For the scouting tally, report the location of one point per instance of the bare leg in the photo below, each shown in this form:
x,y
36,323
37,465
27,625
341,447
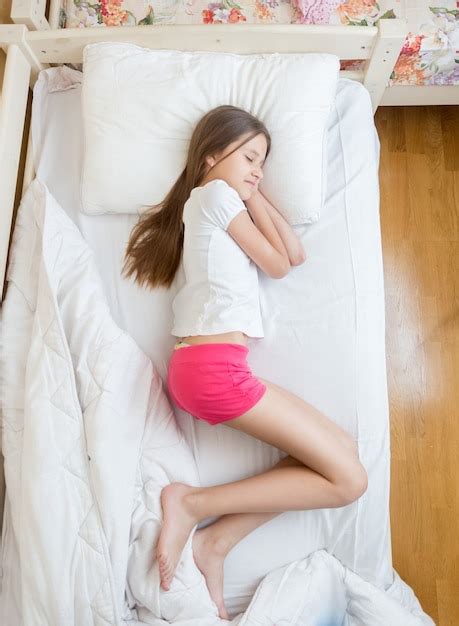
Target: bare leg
x,y
212,543
226,532
329,475
274,491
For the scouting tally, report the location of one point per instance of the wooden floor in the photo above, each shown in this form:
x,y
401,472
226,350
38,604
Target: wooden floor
x,y
419,178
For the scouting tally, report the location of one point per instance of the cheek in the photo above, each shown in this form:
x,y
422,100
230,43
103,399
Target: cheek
x,y
244,163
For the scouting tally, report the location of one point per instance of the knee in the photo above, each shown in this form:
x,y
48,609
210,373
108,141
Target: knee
x,y
354,486
351,443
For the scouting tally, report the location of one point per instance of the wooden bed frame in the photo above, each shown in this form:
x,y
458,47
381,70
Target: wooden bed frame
x,y
29,51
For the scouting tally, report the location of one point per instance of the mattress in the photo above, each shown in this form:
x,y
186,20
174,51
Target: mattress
x,y
324,335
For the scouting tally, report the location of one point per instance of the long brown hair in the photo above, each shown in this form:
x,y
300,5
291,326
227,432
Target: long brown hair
x,y
155,245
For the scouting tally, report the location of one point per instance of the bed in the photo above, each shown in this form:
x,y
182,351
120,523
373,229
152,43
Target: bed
x,y
30,51
70,324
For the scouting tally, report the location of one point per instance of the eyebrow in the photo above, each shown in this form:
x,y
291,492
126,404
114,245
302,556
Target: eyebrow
x,y
255,152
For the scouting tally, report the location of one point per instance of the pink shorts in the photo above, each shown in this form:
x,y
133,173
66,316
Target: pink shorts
x,y
213,381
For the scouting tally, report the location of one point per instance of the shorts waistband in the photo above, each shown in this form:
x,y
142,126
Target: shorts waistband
x,y
210,350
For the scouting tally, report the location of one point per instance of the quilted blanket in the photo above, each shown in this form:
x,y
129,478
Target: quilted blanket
x,y
89,440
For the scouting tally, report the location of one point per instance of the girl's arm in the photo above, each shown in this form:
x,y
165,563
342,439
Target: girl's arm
x,y
292,244
258,211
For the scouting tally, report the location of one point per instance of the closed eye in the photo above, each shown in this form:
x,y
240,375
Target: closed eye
x,y
251,160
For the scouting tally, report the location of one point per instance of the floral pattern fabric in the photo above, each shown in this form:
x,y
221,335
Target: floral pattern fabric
x,y
430,55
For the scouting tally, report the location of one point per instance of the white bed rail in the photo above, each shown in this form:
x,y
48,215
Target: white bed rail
x,y
28,51
31,13
21,70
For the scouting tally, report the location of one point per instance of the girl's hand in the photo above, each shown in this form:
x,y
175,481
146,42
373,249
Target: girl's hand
x,y
292,243
300,258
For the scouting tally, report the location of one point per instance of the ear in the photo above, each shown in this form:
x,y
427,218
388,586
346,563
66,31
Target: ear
x,y
210,161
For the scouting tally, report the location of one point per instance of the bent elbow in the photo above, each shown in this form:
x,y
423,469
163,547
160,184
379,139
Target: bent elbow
x,y
281,270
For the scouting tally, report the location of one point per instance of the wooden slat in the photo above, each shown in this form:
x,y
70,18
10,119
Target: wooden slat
x,y
12,116
17,34
415,95
30,12
54,13
389,41
66,45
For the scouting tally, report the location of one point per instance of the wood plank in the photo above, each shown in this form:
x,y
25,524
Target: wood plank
x,y
419,178
13,107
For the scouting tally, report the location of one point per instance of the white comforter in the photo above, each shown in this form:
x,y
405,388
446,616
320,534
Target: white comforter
x,y
89,440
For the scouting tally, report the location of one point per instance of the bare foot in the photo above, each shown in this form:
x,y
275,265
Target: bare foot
x,y
209,558
178,522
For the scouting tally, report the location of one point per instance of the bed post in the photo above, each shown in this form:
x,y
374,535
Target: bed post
x,y
12,116
20,65
378,68
31,13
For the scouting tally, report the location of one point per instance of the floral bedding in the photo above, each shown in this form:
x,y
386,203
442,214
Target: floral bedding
x,y
430,55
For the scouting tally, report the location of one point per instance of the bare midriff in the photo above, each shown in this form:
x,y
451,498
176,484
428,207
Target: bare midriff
x,y
231,337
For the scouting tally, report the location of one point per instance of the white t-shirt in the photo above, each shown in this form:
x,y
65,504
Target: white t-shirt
x,y
220,293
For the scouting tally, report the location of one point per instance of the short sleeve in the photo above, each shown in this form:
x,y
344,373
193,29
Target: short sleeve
x,y
220,203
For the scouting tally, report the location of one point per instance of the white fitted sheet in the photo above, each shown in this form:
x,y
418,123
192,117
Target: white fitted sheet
x,y
324,336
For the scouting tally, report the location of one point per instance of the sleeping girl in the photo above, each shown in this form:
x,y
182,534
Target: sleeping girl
x,y
216,217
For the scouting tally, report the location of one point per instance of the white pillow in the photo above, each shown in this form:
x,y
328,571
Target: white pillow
x,y
140,107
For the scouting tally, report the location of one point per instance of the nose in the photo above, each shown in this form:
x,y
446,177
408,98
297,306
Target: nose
x,y
258,172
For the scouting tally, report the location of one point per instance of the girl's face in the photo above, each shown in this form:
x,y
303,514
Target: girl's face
x,y
242,169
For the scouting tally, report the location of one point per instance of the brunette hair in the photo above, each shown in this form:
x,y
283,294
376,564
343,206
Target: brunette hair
x,y
155,245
